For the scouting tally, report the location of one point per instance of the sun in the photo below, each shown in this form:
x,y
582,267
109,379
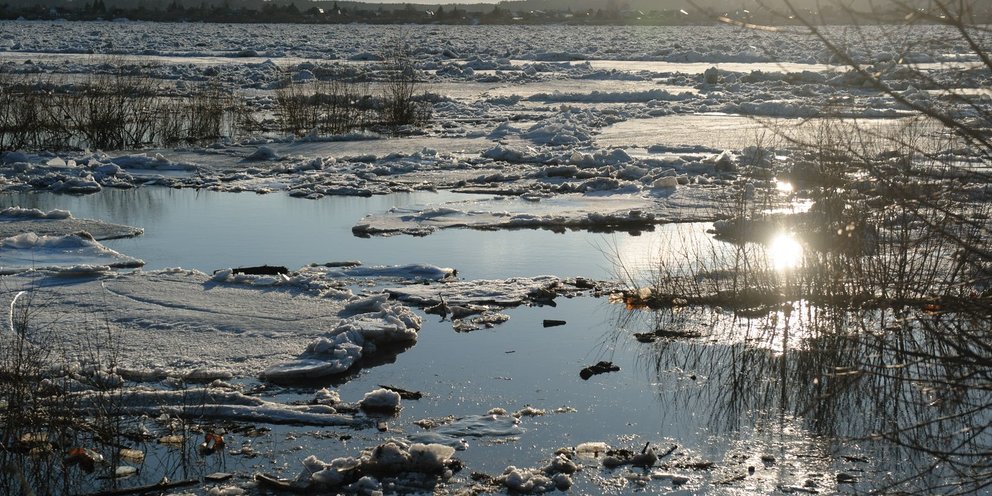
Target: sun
x,y
785,252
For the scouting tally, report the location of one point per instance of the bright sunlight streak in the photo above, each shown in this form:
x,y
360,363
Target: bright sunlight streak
x,y
785,252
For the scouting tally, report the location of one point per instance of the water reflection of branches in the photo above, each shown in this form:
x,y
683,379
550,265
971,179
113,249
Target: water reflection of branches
x,y
874,376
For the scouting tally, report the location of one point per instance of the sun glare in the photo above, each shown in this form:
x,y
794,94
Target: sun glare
x,y
783,186
785,252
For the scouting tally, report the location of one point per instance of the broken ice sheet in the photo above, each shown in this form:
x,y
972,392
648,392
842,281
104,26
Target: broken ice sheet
x,y
17,220
476,426
510,292
213,403
376,324
616,210
74,253
189,321
409,272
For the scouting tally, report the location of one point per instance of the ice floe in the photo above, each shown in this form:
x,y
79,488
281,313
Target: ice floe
x,y
18,220
374,323
212,403
612,211
73,254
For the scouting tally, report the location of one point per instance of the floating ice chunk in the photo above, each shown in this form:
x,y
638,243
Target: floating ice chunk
x,y
334,362
529,411
429,458
505,129
205,374
211,403
367,305
34,213
81,270
504,293
410,272
659,95
387,327
350,340
381,400
326,396
527,481
365,485
74,253
143,161
76,185
429,437
226,491
591,449
482,426
328,474
562,129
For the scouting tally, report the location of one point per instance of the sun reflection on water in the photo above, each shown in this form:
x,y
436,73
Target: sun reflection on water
x,y
785,252
783,186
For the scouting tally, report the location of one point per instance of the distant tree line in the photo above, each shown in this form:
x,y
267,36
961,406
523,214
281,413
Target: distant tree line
x,y
331,12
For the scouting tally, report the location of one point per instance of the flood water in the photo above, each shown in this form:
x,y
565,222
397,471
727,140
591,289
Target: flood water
x,y
687,393
207,230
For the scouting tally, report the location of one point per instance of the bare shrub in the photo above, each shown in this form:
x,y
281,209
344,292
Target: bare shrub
x,y
325,106
206,114
114,109
339,104
402,99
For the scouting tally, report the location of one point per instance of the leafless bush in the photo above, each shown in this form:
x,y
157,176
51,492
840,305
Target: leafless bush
x,y
113,110
401,103
207,114
325,106
337,106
